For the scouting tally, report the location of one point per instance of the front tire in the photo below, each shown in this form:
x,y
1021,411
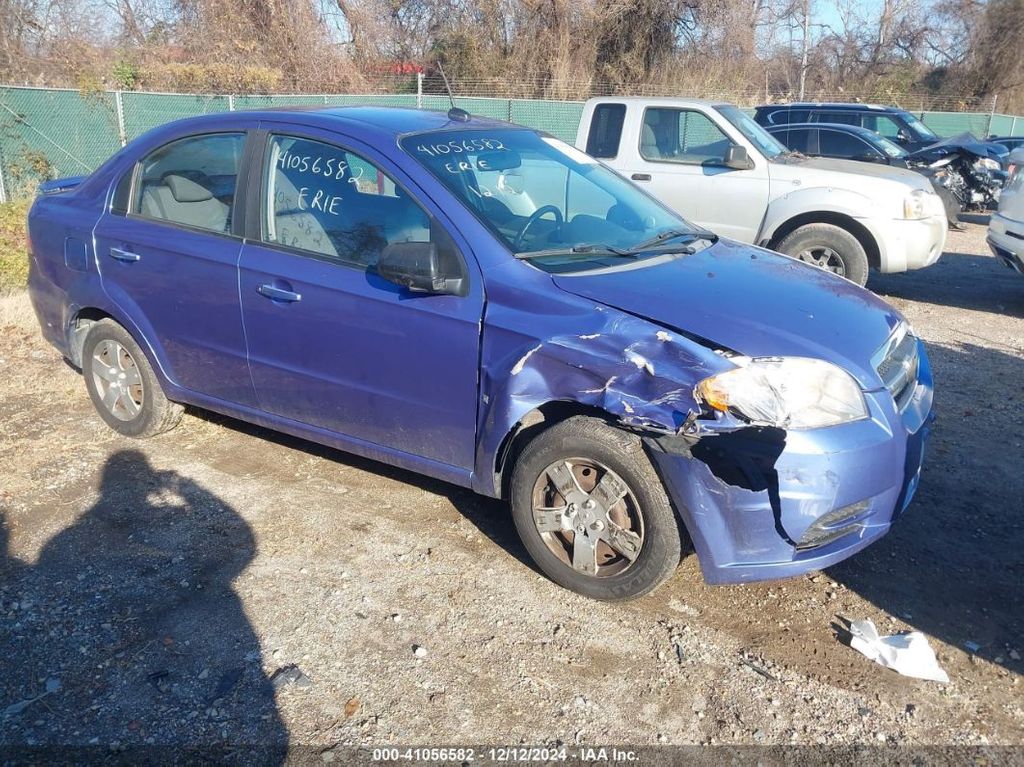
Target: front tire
x,y
593,513
122,385
828,247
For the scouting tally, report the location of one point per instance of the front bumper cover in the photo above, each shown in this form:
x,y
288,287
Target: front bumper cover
x,y
756,501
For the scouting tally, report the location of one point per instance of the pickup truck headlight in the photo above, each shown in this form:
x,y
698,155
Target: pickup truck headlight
x,y
787,392
915,205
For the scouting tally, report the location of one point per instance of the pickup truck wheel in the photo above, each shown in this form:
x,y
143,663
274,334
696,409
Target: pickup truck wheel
x,y
830,247
122,385
592,512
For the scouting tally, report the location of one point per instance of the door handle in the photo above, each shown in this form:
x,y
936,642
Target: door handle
x,y
278,294
124,255
641,177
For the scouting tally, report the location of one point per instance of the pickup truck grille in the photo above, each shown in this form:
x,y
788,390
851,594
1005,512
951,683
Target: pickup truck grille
x,y
898,366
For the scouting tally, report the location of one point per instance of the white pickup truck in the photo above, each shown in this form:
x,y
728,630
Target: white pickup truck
x,y
717,167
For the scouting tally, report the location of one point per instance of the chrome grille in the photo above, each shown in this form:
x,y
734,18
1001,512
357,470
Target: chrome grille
x,y
897,365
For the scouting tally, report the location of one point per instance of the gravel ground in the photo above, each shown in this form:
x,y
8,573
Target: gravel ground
x,y
222,584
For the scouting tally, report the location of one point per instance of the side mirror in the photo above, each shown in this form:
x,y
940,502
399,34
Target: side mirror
x,y
736,158
416,266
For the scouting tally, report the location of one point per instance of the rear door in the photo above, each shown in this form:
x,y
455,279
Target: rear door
x,y
331,344
168,251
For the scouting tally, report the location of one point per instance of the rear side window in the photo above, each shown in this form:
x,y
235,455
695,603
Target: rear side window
x,y
330,202
606,130
795,140
191,182
841,118
787,116
682,136
837,144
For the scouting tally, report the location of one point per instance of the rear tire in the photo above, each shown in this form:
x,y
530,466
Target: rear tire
x,y
122,385
562,487
828,247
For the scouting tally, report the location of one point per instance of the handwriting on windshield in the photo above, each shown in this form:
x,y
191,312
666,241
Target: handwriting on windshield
x,y
460,147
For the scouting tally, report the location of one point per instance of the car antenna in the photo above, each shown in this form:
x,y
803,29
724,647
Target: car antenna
x,y
461,115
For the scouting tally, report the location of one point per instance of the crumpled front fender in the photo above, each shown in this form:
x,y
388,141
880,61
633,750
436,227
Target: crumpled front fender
x,y
641,375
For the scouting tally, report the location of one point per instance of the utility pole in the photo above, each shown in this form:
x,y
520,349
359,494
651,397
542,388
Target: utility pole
x,y
805,47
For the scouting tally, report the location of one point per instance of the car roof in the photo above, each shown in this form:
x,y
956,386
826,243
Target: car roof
x,y
836,106
658,101
843,127
388,123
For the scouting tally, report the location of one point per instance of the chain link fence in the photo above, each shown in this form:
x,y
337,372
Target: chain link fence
x,y
49,133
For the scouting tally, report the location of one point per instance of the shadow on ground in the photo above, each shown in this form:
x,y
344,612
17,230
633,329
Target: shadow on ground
x,y
127,630
963,280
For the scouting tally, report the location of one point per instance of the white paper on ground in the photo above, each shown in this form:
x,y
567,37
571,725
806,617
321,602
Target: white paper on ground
x,y
908,654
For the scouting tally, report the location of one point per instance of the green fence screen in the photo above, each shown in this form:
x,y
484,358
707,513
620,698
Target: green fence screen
x,y
52,132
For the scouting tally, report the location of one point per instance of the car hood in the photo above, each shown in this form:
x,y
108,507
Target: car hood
x,y
856,175
752,301
964,142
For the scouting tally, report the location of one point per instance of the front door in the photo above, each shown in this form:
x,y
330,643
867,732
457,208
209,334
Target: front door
x,y
333,345
681,162
168,257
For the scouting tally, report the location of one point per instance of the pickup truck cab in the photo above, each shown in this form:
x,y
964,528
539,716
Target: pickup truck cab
x,y
715,166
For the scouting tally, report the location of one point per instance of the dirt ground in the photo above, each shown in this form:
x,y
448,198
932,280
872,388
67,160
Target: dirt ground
x,y
221,584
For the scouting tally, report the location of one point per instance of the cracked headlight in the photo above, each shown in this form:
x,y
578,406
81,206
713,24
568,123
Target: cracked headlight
x,y
787,392
915,205
987,163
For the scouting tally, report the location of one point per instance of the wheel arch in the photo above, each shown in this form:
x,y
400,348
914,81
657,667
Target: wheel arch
x,y
79,323
527,428
841,220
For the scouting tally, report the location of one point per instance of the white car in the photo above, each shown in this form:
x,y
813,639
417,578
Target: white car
x,y
717,167
1006,229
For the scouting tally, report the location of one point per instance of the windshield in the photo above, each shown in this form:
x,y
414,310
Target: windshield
x,y
921,130
537,193
754,133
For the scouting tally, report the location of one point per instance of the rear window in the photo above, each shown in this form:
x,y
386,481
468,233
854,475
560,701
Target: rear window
x,y
606,130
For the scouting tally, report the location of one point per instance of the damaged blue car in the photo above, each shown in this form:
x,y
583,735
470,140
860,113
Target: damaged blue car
x,y
485,304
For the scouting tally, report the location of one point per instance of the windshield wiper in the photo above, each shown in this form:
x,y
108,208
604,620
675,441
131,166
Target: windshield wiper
x,y
673,234
582,249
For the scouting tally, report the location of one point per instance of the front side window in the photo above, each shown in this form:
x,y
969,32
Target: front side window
x,y
331,202
536,193
191,182
681,135
752,132
883,126
919,130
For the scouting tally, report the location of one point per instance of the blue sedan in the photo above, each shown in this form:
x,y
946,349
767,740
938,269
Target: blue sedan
x,y
487,305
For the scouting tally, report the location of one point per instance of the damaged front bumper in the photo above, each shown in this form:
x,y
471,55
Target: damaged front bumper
x,y
762,503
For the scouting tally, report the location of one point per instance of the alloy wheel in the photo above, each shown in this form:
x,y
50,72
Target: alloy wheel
x,y
117,380
588,517
825,258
